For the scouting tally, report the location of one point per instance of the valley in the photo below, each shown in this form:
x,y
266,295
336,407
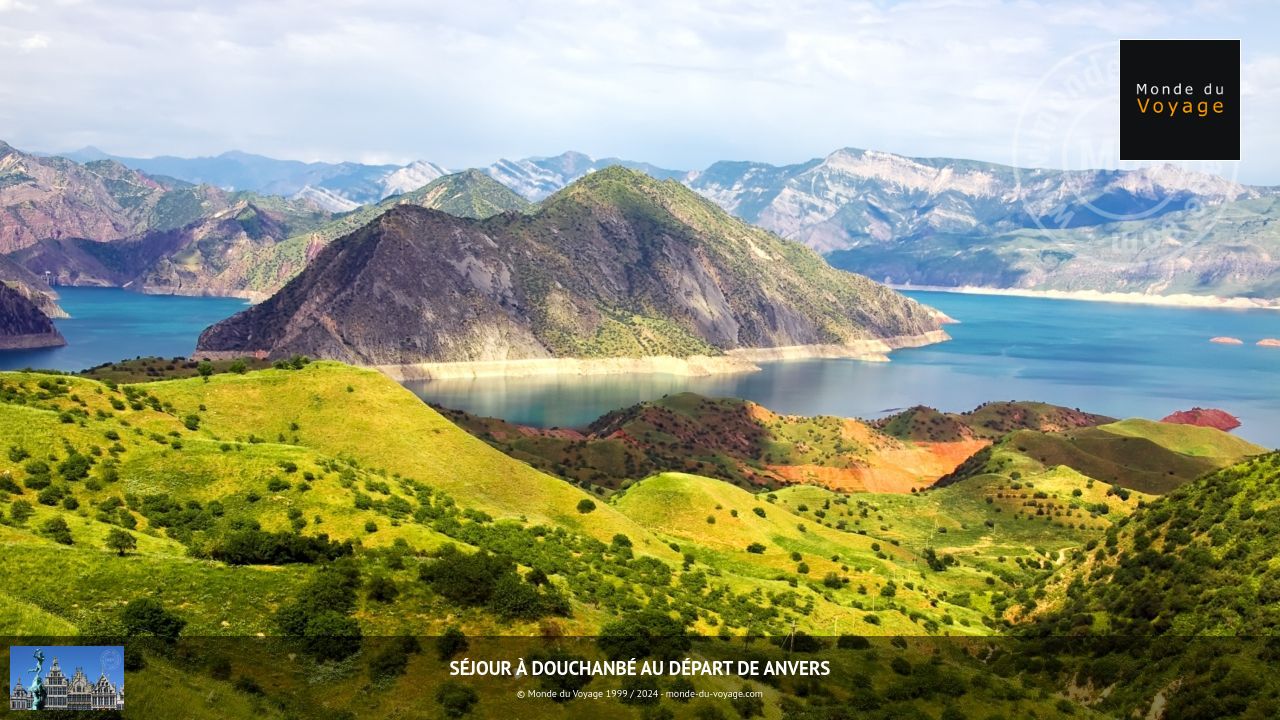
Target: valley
x,y
242,490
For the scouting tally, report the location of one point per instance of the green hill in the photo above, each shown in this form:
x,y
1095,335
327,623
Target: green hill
x,y
1178,605
734,440
1142,455
988,421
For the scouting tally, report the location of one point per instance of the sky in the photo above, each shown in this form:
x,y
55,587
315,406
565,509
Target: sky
x,y
95,659
679,83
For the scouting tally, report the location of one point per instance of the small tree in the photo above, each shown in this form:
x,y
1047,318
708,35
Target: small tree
x,y
586,505
121,541
20,511
205,369
238,366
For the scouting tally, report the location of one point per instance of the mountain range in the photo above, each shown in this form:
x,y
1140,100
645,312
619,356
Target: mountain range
x,y
257,222
344,186
242,244
615,265
906,221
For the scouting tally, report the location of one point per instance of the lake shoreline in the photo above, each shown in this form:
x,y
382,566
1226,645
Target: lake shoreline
x,y
1185,300
742,360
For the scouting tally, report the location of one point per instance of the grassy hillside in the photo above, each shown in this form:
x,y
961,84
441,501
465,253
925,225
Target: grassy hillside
x,y
1142,455
733,440
1180,601
988,421
250,499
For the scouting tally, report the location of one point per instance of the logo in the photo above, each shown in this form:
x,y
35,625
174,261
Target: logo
x,y
1180,99
66,677
1068,120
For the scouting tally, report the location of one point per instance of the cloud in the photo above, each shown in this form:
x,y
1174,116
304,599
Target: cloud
x,y
675,82
37,41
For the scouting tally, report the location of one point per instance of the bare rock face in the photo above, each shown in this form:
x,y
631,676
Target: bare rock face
x,y
22,325
1204,417
615,265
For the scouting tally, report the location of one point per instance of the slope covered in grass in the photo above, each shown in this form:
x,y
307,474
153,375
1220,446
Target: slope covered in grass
x,y
734,440
1141,455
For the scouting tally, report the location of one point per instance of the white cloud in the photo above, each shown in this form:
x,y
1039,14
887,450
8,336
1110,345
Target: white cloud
x,y
676,82
38,41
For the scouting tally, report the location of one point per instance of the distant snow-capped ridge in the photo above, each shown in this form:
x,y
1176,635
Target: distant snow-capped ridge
x,y
326,199
410,177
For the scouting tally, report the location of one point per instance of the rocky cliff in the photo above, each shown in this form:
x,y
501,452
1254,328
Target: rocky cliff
x,y
23,325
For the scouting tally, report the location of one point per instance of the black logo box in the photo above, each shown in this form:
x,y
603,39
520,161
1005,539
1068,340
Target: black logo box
x,y
1186,69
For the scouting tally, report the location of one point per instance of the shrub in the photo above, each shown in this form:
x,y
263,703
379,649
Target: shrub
x,y
456,699
56,529
586,505
144,616
330,635
20,511
451,642
256,547
756,548
647,633
747,704
393,658
382,589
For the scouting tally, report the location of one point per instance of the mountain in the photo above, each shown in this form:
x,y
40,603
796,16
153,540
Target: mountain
x,y
854,197
1195,562
250,248
616,265
340,187
228,252
411,177
946,222
52,197
538,177
733,440
23,325
343,182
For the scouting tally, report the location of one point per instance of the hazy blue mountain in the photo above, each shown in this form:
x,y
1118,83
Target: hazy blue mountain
x,y
340,187
336,186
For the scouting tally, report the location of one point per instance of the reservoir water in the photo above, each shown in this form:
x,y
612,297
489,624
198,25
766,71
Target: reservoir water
x,y
1122,360
109,324
1115,359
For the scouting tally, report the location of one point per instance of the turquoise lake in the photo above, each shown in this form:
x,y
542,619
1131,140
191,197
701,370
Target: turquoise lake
x,y
1122,360
109,324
